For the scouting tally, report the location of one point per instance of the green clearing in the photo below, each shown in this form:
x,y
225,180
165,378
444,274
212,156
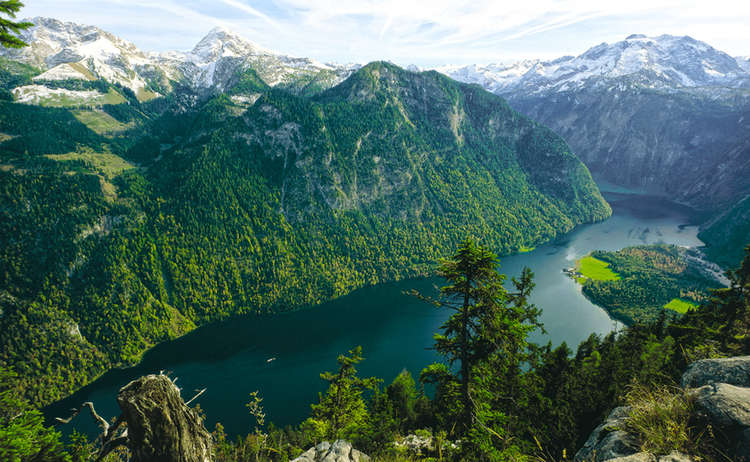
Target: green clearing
x,y
679,305
596,269
107,164
83,71
524,249
145,95
101,122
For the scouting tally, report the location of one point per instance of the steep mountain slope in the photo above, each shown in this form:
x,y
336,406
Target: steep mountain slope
x,y
256,200
666,114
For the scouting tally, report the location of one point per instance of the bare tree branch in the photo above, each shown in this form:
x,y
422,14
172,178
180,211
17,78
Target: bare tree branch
x,y
196,396
109,446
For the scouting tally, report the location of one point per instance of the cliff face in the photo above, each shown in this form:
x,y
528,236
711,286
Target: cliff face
x,y
689,146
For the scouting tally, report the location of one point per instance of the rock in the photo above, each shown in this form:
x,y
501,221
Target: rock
x,y
725,406
727,409
339,451
675,456
607,441
638,457
734,371
161,427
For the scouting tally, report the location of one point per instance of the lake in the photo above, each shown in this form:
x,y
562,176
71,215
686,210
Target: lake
x,y
230,358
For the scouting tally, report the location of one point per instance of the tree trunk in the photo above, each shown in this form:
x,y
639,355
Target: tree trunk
x,y
161,428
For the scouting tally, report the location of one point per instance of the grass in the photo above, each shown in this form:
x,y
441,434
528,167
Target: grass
x,y
659,417
679,305
104,163
145,95
596,269
524,249
82,70
101,122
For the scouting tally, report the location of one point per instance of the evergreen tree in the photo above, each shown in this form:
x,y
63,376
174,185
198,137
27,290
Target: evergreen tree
x,y
486,336
342,410
9,29
23,436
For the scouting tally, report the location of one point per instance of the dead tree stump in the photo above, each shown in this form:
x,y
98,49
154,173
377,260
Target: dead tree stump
x,y
160,426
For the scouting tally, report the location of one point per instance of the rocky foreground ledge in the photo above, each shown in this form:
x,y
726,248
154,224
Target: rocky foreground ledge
x,y
339,451
720,389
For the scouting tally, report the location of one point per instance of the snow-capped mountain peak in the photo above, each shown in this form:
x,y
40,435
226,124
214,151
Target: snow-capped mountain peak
x,y
65,50
222,42
663,61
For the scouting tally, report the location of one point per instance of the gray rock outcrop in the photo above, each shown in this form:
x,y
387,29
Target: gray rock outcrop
x,y
727,409
720,389
607,442
339,451
734,371
161,427
726,406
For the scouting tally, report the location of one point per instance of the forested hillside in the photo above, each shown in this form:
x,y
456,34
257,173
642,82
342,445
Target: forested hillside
x,y
129,224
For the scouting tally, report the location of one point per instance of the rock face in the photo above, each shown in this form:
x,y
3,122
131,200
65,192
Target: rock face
x,y
646,457
725,405
734,371
607,442
666,114
161,428
339,451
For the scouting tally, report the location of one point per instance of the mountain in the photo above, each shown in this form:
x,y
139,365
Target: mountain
x,y
670,115
65,50
126,221
664,62
743,62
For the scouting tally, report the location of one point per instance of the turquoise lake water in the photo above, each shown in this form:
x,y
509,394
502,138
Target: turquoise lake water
x,y
230,358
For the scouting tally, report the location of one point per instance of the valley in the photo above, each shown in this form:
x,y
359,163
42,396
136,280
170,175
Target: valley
x,y
323,240
230,358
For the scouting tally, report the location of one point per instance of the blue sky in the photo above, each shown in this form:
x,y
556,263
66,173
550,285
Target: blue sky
x,y
426,33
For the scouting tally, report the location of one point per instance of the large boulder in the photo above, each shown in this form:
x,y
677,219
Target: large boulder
x,y
339,451
608,441
161,427
724,405
727,409
734,371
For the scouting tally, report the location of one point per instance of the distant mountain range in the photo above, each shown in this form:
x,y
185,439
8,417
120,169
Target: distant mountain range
x,y
142,195
65,50
664,62
666,114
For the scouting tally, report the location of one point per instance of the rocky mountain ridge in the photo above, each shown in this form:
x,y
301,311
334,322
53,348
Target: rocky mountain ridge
x,y
666,115
661,62
66,50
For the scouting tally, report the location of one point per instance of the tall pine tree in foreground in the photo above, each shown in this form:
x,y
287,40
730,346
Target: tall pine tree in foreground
x,y
486,338
341,411
9,30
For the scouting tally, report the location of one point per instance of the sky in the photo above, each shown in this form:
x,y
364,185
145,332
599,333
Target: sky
x,y
425,33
